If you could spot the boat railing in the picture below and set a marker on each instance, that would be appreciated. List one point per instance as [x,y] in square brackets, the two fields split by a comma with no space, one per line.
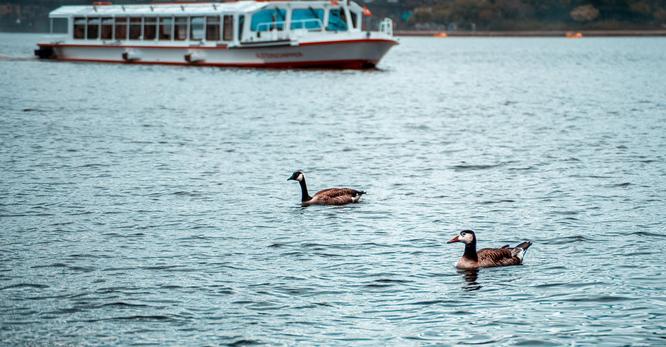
[56,37]
[386,26]
[302,24]
[295,24]
[268,26]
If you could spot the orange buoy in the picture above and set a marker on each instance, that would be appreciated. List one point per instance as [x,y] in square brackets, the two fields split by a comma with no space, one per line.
[441,35]
[573,35]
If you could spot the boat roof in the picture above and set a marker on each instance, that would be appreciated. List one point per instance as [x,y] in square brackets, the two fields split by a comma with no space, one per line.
[164,9]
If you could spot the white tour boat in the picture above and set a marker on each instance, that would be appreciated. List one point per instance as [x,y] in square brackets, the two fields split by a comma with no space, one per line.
[276,34]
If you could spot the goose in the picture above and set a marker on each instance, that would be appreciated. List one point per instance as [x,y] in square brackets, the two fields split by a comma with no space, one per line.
[331,196]
[488,257]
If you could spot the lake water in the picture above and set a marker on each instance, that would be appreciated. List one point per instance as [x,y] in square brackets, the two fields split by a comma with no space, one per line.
[149,205]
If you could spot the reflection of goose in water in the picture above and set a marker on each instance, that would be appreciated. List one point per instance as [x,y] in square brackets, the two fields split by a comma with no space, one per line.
[488,257]
[470,276]
[331,196]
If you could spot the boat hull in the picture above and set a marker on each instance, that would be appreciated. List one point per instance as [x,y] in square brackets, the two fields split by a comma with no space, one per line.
[343,54]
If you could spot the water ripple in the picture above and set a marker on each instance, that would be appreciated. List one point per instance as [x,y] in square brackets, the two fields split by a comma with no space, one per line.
[149,204]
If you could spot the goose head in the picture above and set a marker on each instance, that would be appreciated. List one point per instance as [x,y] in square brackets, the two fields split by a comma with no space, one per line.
[466,236]
[297,176]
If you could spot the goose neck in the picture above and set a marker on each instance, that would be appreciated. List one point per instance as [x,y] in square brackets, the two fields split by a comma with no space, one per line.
[470,251]
[304,190]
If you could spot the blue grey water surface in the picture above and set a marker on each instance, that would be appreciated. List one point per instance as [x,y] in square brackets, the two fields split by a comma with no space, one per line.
[149,205]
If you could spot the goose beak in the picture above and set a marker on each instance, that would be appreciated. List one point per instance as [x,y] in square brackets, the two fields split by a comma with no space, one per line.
[291,179]
[454,239]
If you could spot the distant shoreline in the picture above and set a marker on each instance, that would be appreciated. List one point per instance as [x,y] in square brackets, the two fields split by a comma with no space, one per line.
[532,33]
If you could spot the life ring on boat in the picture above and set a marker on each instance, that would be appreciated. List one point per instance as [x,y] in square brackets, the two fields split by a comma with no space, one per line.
[130,55]
[194,57]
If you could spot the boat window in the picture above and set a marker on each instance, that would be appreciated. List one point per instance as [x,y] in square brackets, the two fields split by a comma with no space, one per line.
[121,28]
[135,28]
[166,25]
[354,17]
[212,28]
[241,25]
[93,29]
[307,18]
[197,28]
[180,29]
[79,28]
[59,25]
[149,28]
[269,19]
[337,20]
[228,33]
[107,28]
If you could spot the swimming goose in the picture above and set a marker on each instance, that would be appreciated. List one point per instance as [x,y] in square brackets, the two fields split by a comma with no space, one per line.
[331,196]
[488,257]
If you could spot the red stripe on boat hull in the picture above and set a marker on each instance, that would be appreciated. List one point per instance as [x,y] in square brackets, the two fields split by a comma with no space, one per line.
[392,42]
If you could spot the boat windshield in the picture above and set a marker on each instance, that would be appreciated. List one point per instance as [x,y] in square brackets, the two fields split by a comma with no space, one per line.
[268,19]
[337,20]
[307,18]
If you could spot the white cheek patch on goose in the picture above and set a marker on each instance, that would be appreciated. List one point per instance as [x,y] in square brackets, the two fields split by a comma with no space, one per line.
[300,177]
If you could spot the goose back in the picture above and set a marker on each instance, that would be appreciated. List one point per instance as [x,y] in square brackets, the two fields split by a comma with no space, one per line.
[335,196]
[490,257]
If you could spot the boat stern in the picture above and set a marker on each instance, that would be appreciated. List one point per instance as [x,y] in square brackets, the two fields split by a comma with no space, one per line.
[45,51]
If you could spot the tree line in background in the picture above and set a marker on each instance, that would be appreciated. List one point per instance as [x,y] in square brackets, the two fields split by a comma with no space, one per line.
[540,14]
[31,15]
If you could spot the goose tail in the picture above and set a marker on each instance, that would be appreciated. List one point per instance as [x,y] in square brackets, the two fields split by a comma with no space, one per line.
[356,195]
[524,245]
[520,250]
